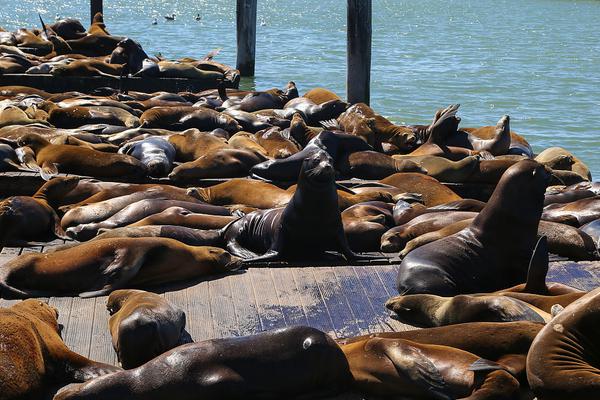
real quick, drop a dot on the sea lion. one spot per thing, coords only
(454, 265)
(575, 213)
(88, 67)
(143, 326)
(246, 141)
(177, 69)
(301, 132)
(130, 54)
(560, 159)
(364, 223)
(55, 158)
(25, 219)
(139, 210)
(248, 121)
(284, 363)
(97, 26)
(400, 368)
(8, 158)
(276, 143)
(74, 141)
(255, 101)
(433, 192)
(182, 118)
(183, 217)
(561, 362)
(320, 95)
(566, 196)
(34, 355)
(13, 115)
(222, 163)
(361, 120)
(249, 192)
(375, 165)
(95, 45)
(98, 267)
(193, 144)
(405, 211)
(307, 226)
(313, 113)
(428, 310)
(190, 236)
(592, 229)
(73, 117)
(68, 28)
(388, 246)
(156, 153)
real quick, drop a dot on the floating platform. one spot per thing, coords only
(86, 84)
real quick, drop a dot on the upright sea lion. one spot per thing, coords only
(307, 226)
(181, 118)
(34, 355)
(24, 218)
(98, 267)
(156, 153)
(55, 158)
(493, 252)
(399, 368)
(130, 54)
(561, 363)
(143, 326)
(285, 363)
(433, 192)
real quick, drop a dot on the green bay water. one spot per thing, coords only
(536, 60)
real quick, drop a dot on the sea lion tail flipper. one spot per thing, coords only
(48, 171)
(538, 268)
(331, 124)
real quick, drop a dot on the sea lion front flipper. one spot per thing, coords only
(538, 268)
(57, 229)
(48, 171)
(78, 368)
(271, 255)
(27, 158)
(483, 365)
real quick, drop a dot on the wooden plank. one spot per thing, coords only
(269, 310)
(312, 302)
(63, 305)
(288, 296)
(387, 274)
(222, 308)
(79, 335)
(246, 309)
(246, 36)
(101, 343)
(376, 293)
(337, 305)
(358, 79)
(199, 317)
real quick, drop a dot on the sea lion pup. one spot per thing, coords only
(24, 218)
(34, 355)
(222, 163)
(98, 267)
(433, 192)
(560, 159)
(285, 363)
(402, 368)
(307, 226)
(361, 120)
(562, 362)
(139, 210)
(156, 153)
(490, 254)
(143, 326)
(575, 213)
(190, 236)
(55, 158)
(249, 192)
(182, 118)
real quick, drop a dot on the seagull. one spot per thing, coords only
(170, 17)
(154, 22)
(57, 18)
(263, 22)
(198, 17)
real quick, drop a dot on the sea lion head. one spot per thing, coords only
(222, 259)
(403, 138)
(317, 169)
(40, 310)
(33, 141)
(335, 107)
(414, 309)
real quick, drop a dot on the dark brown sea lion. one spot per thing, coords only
(561, 363)
(95, 45)
(256, 101)
(289, 232)
(311, 112)
(68, 28)
(433, 192)
(181, 118)
(249, 192)
(24, 218)
(130, 54)
(34, 355)
(286, 363)
(222, 163)
(190, 236)
(561, 159)
(321, 95)
(88, 67)
(576, 213)
(139, 210)
(98, 267)
(361, 120)
(375, 165)
(493, 252)
(301, 132)
(55, 158)
(364, 223)
(143, 326)
(399, 368)
(183, 217)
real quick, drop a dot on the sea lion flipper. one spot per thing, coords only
(57, 229)
(538, 268)
(483, 365)
(48, 171)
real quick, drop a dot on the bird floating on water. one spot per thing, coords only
(154, 22)
(170, 17)
(263, 22)
(198, 17)
(57, 18)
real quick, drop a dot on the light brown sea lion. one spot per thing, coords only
(186, 218)
(24, 218)
(286, 363)
(88, 67)
(32, 42)
(55, 158)
(13, 115)
(246, 141)
(222, 163)
(73, 141)
(181, 118)
(321, 95)
(576, 213)
(143, 325)
(249, 192)
(364, 223)
(501, 239)
(193, 237)
(34, 356)
(76, 116)
(13, 91)
(98, 267)
(560, 159)
(425, 238)
(193, 144)
(361, 120)
(561, 363)
(175, 69)
(431, 189)
(400, 368)
(276, 144)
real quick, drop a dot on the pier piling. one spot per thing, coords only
(246, 36)
(358, 78)
(95, 7)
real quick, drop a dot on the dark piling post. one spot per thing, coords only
(246, 36)
(358, 79)
(95, 7)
